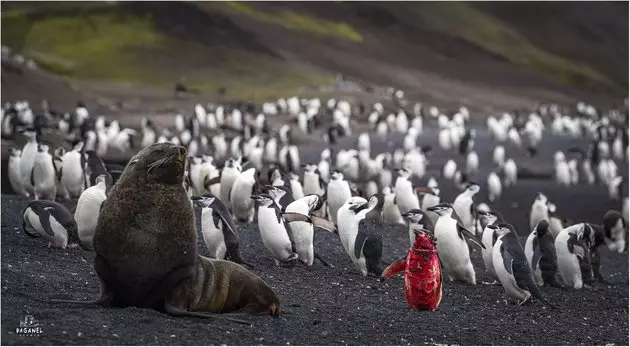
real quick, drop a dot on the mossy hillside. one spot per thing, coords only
(110, 45)
(464, 21)
(293, 21)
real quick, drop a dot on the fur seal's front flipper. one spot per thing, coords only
(319, 257)
(175, 311)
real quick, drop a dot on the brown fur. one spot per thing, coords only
(145, 241)
(221, 286)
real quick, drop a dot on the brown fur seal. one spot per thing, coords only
(221, 286)
(145, 240)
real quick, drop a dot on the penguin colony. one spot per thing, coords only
(257, 176)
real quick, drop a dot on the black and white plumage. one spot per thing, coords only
(218, 229)
(489, 238)
(512, 267)
(541, 254)
(418, 219)
(88, 209)
(51, 220)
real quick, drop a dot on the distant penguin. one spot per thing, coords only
(541, 255)
(296, 187)
(149, 134)
(498, 155)
(429, 198)
(337, 192)
(314, 184)
(194, 170)
(512, 267)
(538, 211)
(406, 197)
(463, 205)
(230, 172)
(240, 196)
(88, 209)
(452, 244)
(449, 169)
(273, 230)
(58, 161)
(14, 172)
(44, 177)
(95, 167)
(51, 220)
(494, 187)
(418, 219)
(467, 142)
(391, 213)
(73, 172)
(472, 163)
(510, 172)
(302, 230)
(27, 160)
(364, 242)
(218, 229)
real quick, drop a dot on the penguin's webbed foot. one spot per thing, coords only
(526, 299)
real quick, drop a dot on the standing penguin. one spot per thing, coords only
(418, 219)
(230, 172)
(15, 177)
(95, 167)
(240, 196)
(541, 254)
(302, 231)
(88, 209)
(452, 244)
(43, 176)
(364, 243)
(489, 238)
(314, 184)
(512, 266)
(539, 210)
(281, 195)
(273, 230)
(27, 160)
(51, 220)
(218, 229)
(464, 206)
(391, 213)
(570, 250)
(494, 187)
(73, 172)
(337, 192)
(406, 197)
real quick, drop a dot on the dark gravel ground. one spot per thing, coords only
(332, 306)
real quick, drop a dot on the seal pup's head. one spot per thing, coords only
(159, 163)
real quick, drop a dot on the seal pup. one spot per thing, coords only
(512, 267)
(43, 177)
(15, 177)
(148, 207)
(218, 229)
(51, 220)
(88, 209)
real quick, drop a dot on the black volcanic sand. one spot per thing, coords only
(332, 306)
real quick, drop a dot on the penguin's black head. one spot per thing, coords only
(542, 227)
(441, 209)
(502, 228)
(263, 199)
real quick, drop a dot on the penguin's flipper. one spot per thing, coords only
(371, 245)
(323, 223)
(465, 234)
(394, 268)
(296, 217)
(319, 257)
(44, 219)
(208, 182)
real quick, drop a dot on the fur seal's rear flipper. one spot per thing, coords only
(178, 312)
(319, 257)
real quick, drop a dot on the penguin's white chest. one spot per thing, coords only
(529, 254)
(27, 160)
(452, 249)
(273, 233)
(568, 263)
(14, 175)
(405, 197)
(72, 175)
(486, 254)
(212, 235)
(338, 193)
(87, 211)
(228, 176)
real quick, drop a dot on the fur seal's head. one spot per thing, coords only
(161, 162)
